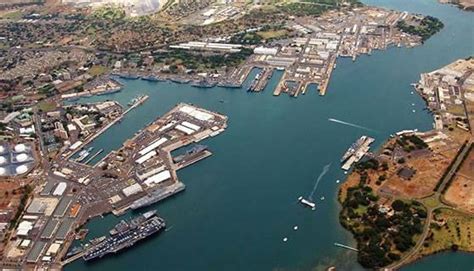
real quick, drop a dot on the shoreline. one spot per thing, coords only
(415, 252)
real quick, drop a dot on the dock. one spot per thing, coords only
(264, 79)
(93, 156)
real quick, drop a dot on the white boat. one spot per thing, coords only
(307, 203)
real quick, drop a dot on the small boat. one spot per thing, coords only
(307, 203)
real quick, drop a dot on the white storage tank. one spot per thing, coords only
(20, 148)
(22, 157)
(21, 169)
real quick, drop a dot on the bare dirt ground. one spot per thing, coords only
(9, 194)
(429, 169)
(461, 191)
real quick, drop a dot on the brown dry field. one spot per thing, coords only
(429, 170)
(461, 191)
(9, 199)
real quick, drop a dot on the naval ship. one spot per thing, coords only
(157, 195)
(137, 229)
(356, 151)
(196, 149)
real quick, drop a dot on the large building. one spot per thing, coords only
(132, 7)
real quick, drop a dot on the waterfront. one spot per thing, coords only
(241, 202)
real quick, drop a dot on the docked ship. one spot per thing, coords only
(124, 225)
(229, 84)
(74, 251)
(157, 195)
(203, 84)
(152, 78)
(196, 149)
(353, 148)
(138, 99)
(180, 81)
(356, 151)
(83, 154)
(128, 76)
(138, 229)
(255, 81)
(109, 91)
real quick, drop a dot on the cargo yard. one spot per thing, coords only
(139, 174)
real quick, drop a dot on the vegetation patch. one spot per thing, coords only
(46, 106)
(424, 28)
(200, 61)
(449, 230)
(383, 232)
(97, 70)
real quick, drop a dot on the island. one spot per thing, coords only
(415, 195)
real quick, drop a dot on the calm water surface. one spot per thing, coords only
(241, 202)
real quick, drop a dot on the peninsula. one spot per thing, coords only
(415, 195)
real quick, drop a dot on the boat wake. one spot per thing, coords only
(325, 170)
(351, 124)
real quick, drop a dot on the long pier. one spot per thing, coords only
(346, 247)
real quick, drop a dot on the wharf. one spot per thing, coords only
(327, 77)
(279, 87)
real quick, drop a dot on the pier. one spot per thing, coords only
(346, 247)
(93, 156)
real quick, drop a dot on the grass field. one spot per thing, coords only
(11, 15)
(97, 70)
(456, 231)
(46, 106)
(272, 34)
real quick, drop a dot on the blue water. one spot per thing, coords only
(241, 202)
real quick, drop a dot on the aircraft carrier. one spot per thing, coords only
(137, 229)
(157, 195)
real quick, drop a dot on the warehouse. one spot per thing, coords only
(59, 191)
(132, 189)
(145, 157)
(153, 146)
(158, 178)
(183, 129)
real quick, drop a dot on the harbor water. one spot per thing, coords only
(241, 203)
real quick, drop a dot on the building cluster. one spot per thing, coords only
(44, 228)
(66, 128)
(449, 92)
(141, 173)
(310, 57)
